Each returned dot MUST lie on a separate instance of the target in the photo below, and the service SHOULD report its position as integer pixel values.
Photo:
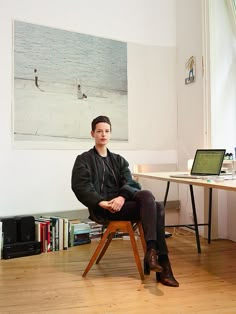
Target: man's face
(102, 133)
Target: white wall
(189, 97)
(37, 181)
(194, 123)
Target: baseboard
(70, 214)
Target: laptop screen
(208, 161)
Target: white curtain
(231, 5)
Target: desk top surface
(229, 185)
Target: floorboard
(52, 282)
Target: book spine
(53, 240)
(77, 231)
(48, 236)
(56, 234)
(71, 235)
(42, 236)
(37, 231)
(66, 232)
(61, 233)
(1, 240)
(81, 239)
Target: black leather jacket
(87, 176)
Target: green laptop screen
(208, 162)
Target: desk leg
(195, 219)
(167, 234)
(166, 194)
(209, 215)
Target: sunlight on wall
(223, 76)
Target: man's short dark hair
(98, 120)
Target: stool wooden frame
(112, 228)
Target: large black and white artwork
(62, 80)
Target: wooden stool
(112, 228)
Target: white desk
(228, 185)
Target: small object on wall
(190, 70)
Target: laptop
(207, 163)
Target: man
(102, 181)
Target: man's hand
(113, 205)
(117, 203)
(106, 205)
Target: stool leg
(110, 237)
(97, 251)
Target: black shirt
(109, 184)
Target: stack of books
(79, 233)
(58, 233)
(52, 232)
(96, 230)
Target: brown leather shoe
(166, 277)
(151, 262)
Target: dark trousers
(151, 213)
